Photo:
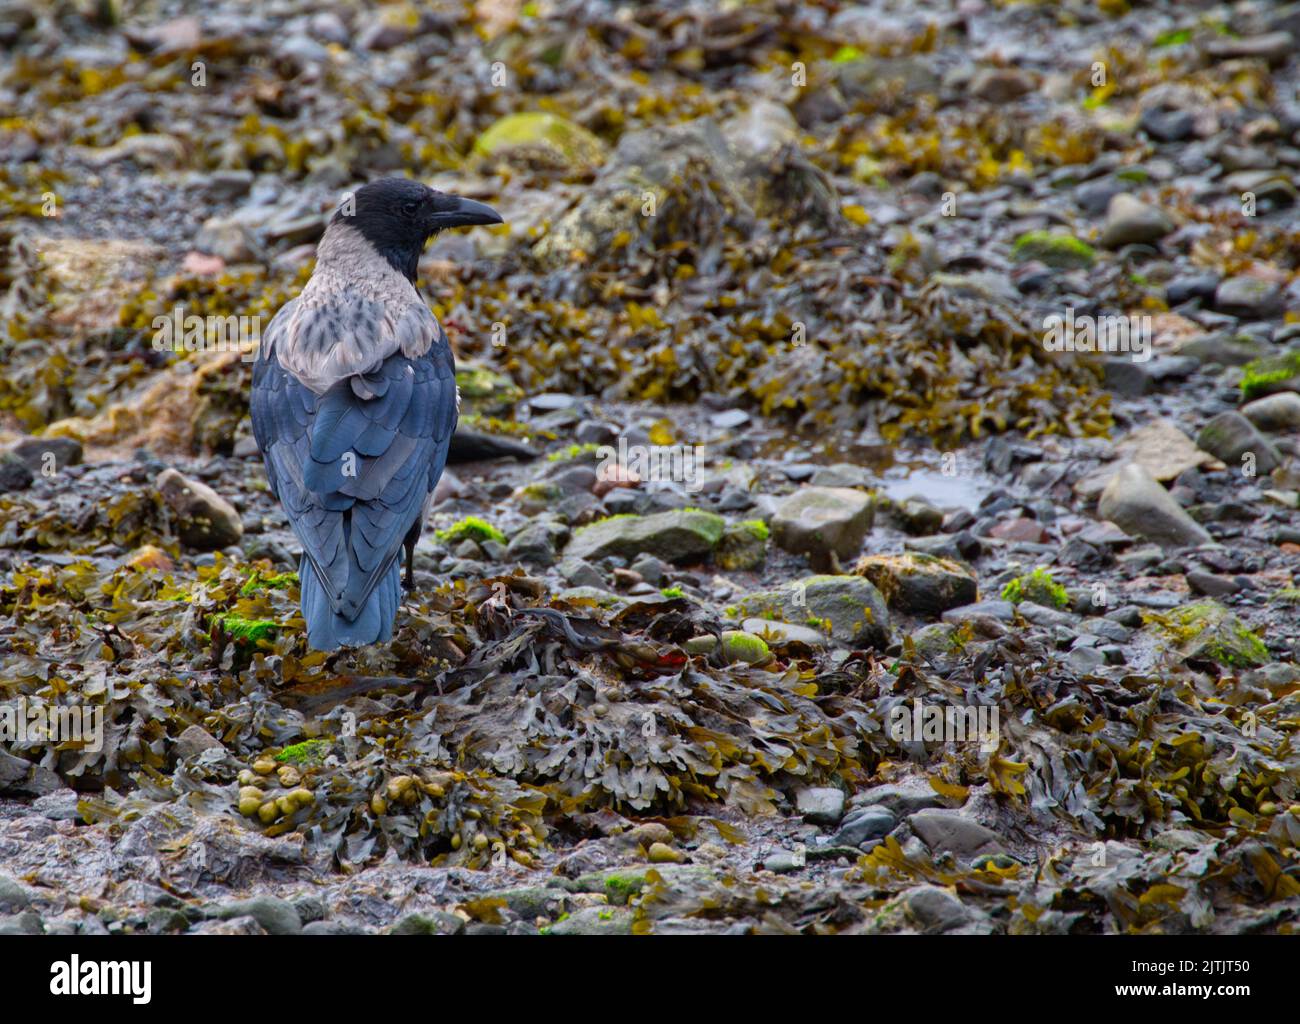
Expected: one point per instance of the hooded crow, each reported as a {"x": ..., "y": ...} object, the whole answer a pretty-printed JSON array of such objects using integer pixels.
[{"x": 354, "y": 403}]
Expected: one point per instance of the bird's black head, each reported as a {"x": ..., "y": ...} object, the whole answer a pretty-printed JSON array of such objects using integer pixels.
[{"x": 397, "y": 216}]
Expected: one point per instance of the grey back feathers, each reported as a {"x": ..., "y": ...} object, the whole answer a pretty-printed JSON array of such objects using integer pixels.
[{"x": 354, "y": 313}]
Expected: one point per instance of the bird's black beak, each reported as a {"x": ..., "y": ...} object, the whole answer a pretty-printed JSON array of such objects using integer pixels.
[{"x": 455, "y": 212}]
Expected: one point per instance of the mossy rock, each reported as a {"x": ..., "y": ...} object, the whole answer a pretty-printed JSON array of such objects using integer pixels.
[
  {"x": 470, "y": 528},
  {"x": 1205, "y": 631},
  {"x": 306, "y": 753},
  {"x": 850, "y": 608},
  {"x": 1270, "y": 375},
  {"x": 1037, "y": 587},
  {"x": 541, "y": 139},
  {"x": 1054, "y": 248},
  {"x": 737, "y": 645},
  {"x": 918, "y": 583},
  {"x": 682, "y": 535},
  {"x": 743, "y": 546}
]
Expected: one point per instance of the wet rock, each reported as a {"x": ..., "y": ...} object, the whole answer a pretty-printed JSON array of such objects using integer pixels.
[
  {"x": 1272, "y": 47},
  {"x": 1129, "y": 221},
  {"x": 13, "y": 896},
  {"x": 1191, "y": 287},
  {"x": 950, "y": 832},
  {"x": 903, "y": 798},
  {"x": 1280, "y": 412},
  {"x": 436, "y": 923},
  {"x": 47, "y": 455},
  {"x": 1250, "y": 298},
  {"x": 865, "y": 824},
  {"x": 743, "y": 546},
  {"x": 535, "y": 544},
  {"x": 595, "y": 921},
  {"x": 1001, "y": 85},
  {"x": 1231, "y": 437},
  {"x": 204, "y": 520},
  {"x": 14, "y": 475},
  {"x": 194, "y": 741},
  {"x": 936, "y": 909},
  {"x": 1139, "y": 506},
  {"x": 919, "y": 584},
  {"x": 679, "y": 536},
  {"x": 823, "y": 523},
  {"x": 1210, "y": 585},
  {"x": 18, "y": 775},
  {"x": 1167, "y": 124},
  {"x": 919, "y": 518},
  {"x": 1206, "y": 632},
  {"x": 1002, "y": 611},
  {"x": 1021, "y": 530},
  {"x": 820, "y": 805},
  {"x": 272, "y": 914},
  {"x": 849, "y": 606}
]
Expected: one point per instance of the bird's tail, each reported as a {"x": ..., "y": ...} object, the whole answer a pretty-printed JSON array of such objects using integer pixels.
[{"x": 327, "y": 630}]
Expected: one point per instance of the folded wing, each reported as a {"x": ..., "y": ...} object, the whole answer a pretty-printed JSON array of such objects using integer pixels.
[{"x": 353, "y": 466}]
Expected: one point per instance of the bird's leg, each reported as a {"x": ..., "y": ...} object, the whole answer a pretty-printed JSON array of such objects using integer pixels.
[{"x": 412, "y": 536}]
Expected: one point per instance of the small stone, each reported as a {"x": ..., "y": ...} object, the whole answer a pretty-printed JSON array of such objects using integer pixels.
[
  {"x": 13, "y": 896},
  {"x": 204, "y": 519},
  {"x": 849, "y": 606},
  {"x": 1139, "y": 506},
  {"x": 1001, "y": 85},
  {"x": 597, "y": 920},
  {"x": 662, "y": 853},
  {"x": 936, "y": 909},
  {"x": 1002, "y": 611},
  {"x": 1280, "y": 412},
  {"x": 865, "y": 824},
  {"x": 823, "y": 523},
  {"x": 1250, "y": 298},
  {"x": 1023, "y": 530},
  {"x": 951, "y": 832},
  {"x": 681, "y": 535},
  {"x": 274, "y": 915},
  {"x": 14, "y": 475},
  {"x": 820, "y": 805},
  {"x": 1129, "y": 221},
  {"x": 1165, "y": 124},
  {"x": 1231, "y": 437},
  {"x": 48, "y": 455},
  {"x": 919, "y": 584},
  {"x": 438, "y": 922},
  {"x": 193, "y": 741},
  {"x": 1210, "y": 585}
]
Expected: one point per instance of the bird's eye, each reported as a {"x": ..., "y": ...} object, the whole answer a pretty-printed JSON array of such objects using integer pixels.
[{"x": 408, "y": 209}]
